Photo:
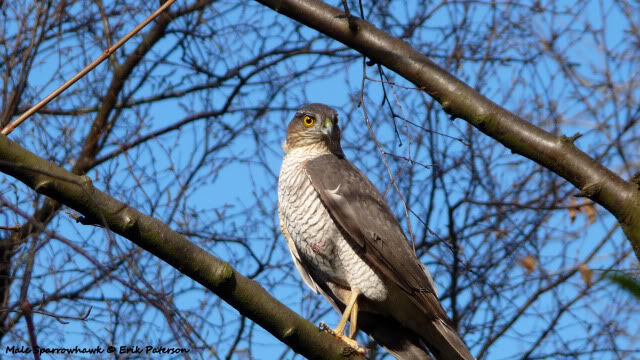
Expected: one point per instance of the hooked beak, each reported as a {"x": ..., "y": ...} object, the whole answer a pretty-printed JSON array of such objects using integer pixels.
[{"x": 327, "y": 127}]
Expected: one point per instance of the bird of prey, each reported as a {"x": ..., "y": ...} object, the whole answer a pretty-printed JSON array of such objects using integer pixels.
[{"x": 348, "y": 246}]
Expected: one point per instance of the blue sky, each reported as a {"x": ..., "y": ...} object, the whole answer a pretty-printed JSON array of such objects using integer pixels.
[{"x": 229, "y": 189}]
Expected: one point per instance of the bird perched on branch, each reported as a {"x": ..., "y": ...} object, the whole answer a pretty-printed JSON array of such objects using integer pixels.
[{"x": 348, "y": 246}]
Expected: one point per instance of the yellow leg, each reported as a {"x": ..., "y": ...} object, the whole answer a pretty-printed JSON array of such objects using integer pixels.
[
  {"x": 348, "y": 312},
  {"x": 353, "y": 321}
]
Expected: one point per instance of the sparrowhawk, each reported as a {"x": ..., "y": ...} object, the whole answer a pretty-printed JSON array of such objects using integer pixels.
[{"x": 348, "y": 246}]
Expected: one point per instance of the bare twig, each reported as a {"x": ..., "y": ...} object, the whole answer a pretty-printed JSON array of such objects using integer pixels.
[{"x": 9, "y": 128}]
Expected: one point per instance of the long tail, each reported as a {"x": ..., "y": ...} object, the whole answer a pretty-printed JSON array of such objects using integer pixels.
[
  {"x": 444, "y": 343},
  {"x": 401, "y": 342}
]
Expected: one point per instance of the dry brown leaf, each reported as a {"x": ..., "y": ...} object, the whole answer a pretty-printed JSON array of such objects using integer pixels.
[
  {"x": 586, "y": 274},
  {"x": 529, "y": 263},
  {"x": 573, "y": 210},
  {"x": 499, "y": 233},
  {"x": 590, "y": 211}
]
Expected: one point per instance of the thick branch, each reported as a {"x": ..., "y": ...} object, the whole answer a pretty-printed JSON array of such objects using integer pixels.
[
  {"x": 556, "y": 153},
  {"x": 87, "y": 156},
  {"x": 244, "y": 294}
]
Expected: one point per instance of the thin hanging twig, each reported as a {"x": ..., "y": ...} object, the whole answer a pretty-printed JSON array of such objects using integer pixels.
[{"x": 9, "y": 128}]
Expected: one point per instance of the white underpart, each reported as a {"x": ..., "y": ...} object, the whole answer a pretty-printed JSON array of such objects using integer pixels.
[{"x": 313, "y": 232}]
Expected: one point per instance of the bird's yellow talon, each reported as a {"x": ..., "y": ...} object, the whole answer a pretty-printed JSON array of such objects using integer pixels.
[{"x": 351, "y": 342}]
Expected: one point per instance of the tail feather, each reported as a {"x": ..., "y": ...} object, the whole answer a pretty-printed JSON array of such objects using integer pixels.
[
  {"x": 444, "y": 343},
  {"x": 401, "y": 342},
  {"x": 406, "y": 334}
]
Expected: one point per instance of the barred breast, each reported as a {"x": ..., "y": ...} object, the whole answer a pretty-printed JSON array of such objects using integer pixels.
[{"x": 317, "y": 238}]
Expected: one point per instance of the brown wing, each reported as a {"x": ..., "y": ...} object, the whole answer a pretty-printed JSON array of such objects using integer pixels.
[{"x": 372, "y": 229}]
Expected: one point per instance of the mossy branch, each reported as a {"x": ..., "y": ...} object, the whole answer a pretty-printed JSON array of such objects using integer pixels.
[
  {"x": 556, "y": 153},
  {"x": 245, "y": 295}
]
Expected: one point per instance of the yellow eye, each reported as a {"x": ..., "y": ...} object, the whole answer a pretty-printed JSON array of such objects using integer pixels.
[{"x": 308, "y": 121}]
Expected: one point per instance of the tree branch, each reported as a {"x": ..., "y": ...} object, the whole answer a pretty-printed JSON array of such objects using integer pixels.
[
  {"x": 244, "y": 294},
  {"x": 556, "y": 153}
]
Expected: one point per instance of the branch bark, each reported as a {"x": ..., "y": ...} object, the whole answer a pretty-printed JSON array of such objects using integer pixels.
[
  {"x": 556, "y": 153},
  {"x": 244, "y": 294},
  {"x": 85, "y": 161}
]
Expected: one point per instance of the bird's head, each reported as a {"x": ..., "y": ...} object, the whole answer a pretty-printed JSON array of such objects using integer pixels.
[{"x": 314, "y": 124}]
